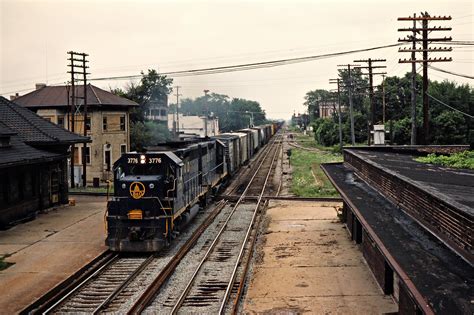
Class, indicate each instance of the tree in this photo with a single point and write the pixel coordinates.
(233, 114)
(326, 132)
(152, 87)
(312, 100)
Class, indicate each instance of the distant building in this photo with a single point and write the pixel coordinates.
(194, 125)
(157, 108)
(327, 109)
(33, 163)
(107, 124)
(300, 120)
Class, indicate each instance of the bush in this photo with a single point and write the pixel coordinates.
(463, 159)
(326, 132)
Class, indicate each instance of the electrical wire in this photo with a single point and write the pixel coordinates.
(455, 109)
(251, 66)
(452, 73)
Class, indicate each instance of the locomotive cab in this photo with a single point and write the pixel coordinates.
(140, 214)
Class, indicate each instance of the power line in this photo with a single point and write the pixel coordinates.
(252, 66)
(441, 102)
(452, 73)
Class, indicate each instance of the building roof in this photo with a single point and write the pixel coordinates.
(57, 96)
(20, 153)
(33, 129)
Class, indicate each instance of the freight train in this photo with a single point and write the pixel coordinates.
(157, 192)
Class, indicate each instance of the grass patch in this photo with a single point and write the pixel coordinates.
(3, 264)
(101, 189)
(308, 141)
(463, 159)
(308, 179)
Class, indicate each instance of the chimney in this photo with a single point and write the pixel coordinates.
(40, 85)
(14, 97)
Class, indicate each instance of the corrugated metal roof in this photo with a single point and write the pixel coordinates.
(57, 96)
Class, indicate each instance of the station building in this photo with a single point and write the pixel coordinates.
(33, 163)
(107, 124)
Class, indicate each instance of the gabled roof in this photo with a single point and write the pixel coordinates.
(33, 129)
(19, 153)
(57, 96)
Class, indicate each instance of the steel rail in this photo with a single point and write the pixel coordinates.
(80, 285)
(247, 235)
(157, 283)
(124, 284)
(213, 244)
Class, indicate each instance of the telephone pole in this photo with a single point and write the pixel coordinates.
(205, 112)
(424, 18)
(176, 123)
(371, 74)
(338, 82)
(383, 99)
(78, 61)
(351, 109)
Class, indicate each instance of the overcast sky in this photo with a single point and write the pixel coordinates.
(124, 37)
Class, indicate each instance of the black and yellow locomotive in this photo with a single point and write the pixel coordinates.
(156, 193)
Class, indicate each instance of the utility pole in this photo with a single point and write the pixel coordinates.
(351, 109)
(424, 18)
(371, 74)
(74, 58)
(176, 124)
(338, 82)
(205, 112)
(383, 99)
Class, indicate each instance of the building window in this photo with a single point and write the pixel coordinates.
(104, 123)
(61, 121)
(87, 154)
(163, 112)
(123, 148)
(88, 124)
(122, 123)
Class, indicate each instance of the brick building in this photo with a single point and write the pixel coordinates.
(33, 163)
(107, 124)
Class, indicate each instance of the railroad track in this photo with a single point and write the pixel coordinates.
(128, 284)
(220, 274)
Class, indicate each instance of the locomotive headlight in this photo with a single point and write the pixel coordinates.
(124, 186)
(142, 159)
(151, 186)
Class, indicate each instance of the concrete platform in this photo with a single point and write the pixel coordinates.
(310, 265)
(49, 249)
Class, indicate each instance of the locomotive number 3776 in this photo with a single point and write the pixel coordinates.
(152, 160)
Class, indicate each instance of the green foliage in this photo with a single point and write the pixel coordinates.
(463, 159)
(401, 131)
(308, 180)
(143, 134)
(449, 128)
(3, 264)
(152, 87)
(326, 132)
(233, 114)
(312, 99)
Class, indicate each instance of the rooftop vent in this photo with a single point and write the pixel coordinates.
(40, 85)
